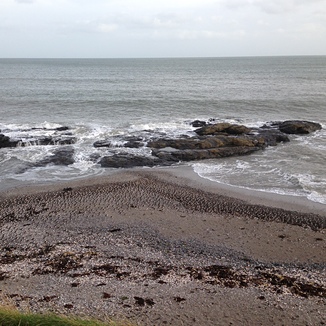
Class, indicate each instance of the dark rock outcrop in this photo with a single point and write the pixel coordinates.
(61, 156)
(219, 144)
(194, 155)
(299, 127)
(102, 143)
(272, 137)
(211, 140)
(5, 141)
(133, 144)
(44, 141)
(198, 123)
(207, 142)
(63, 128)
(130, 142)
(127, 161)
(223, 127)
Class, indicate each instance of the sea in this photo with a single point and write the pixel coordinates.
(113, 99)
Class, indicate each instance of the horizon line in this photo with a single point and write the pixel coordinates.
(173, 57)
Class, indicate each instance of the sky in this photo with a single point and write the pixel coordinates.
(165, 28)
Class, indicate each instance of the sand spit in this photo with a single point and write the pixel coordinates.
(162, 249)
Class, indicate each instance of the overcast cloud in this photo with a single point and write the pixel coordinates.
(173, 28)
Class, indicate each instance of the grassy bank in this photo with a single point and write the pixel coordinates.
(12, 317)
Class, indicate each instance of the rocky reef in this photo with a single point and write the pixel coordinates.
(209, 140)
(60, 137)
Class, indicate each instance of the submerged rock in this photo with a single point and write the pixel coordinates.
(61, 156)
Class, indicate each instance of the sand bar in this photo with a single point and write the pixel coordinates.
(164, 247)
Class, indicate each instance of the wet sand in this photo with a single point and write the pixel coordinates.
(164, 247)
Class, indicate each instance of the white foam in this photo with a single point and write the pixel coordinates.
(268, 177)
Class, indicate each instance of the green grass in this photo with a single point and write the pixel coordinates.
(12, 317)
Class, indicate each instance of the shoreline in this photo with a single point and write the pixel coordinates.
(163, 246)
(186, 176)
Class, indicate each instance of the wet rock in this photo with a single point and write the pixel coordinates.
(206, 142)
(64, 128)
(201, 154)
(102, 143)
(133, 144)
(212, 129)
(6, 142)
(273, 136)
(57, 141)
(299, 127)
(223, 127)
(44, 141)
(94, 157)
(238, 130)
(198, 123)
(61, 156)
(221, 144)
(127, 161)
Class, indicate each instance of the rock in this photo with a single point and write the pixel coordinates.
(238, 130)
(133, 144)
(127, 161)
(102, 143)
(44, 141)
(64, 128)
(272, 137)
(299, 127)
(6, 142)
(201, 154)
(212, 129)
(60, 141)
(205, 142)
(61, 156)
(181, 143)
(57, 140)
(198, 123)
(223, 127)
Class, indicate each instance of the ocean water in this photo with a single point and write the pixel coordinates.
(110, 99)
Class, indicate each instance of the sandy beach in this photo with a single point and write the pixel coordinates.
(163, 247)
